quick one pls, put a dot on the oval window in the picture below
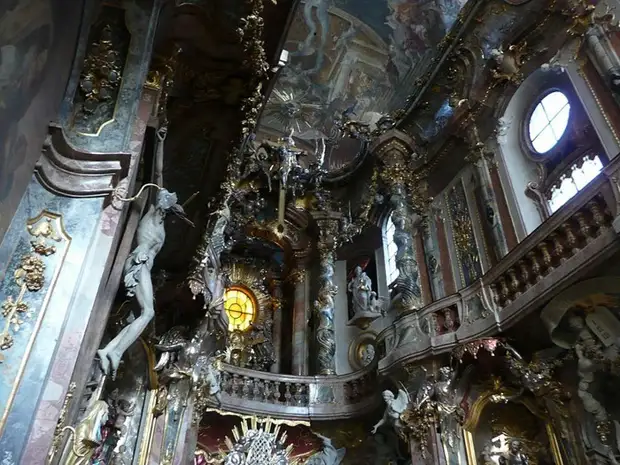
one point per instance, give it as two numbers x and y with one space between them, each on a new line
240 308
549 121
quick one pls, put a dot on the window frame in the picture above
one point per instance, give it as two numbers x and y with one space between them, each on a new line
555 178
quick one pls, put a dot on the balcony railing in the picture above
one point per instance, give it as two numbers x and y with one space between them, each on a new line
576 238
299 397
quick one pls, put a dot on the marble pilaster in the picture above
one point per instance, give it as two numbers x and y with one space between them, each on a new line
74 180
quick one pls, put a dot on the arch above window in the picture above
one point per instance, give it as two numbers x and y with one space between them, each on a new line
240 307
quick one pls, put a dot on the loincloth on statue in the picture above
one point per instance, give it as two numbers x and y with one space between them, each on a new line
136 261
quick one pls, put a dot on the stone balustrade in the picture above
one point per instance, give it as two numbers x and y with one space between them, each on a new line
299 397
571 242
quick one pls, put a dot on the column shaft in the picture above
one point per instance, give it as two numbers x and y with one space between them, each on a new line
324 304
408 281
276 296
301 317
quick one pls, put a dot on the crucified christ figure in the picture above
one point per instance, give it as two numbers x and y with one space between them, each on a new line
150 238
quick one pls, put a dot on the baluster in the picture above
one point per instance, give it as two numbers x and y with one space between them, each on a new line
597 216
504 292
298 394
534 265
246 387
525 273
515 285
287 394
226 382
235 385
546 256
585 230
256 392
571 239
267 392
558 247
277 394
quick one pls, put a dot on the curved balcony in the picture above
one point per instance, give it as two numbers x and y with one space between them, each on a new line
299 397
575 239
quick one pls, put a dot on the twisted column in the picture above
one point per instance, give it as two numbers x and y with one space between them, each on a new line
324 304
408 282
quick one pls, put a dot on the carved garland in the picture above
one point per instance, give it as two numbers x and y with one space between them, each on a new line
28 277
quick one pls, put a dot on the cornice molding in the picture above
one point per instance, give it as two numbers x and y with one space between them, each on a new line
65 170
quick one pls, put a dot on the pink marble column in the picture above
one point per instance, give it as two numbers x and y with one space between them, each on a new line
301 318
276 296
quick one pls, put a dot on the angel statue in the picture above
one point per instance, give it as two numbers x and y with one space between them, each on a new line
395 406
329 455
150 239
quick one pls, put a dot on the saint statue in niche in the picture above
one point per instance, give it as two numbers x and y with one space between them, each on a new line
367 306
360 287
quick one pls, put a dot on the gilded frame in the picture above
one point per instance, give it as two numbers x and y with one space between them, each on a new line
494 397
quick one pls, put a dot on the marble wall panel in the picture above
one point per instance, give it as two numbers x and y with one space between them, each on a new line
70 342
37 43
25 369
461 225
141 17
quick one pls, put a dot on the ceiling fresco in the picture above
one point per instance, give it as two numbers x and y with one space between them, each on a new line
352 58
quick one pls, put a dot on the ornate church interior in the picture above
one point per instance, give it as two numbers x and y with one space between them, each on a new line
322 232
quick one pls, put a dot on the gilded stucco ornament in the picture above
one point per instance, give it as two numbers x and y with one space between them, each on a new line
46 232
60 424
583 18
102 71
258 443
508 63
161 78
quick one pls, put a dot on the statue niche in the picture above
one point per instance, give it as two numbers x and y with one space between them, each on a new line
585 320
507 432
366 305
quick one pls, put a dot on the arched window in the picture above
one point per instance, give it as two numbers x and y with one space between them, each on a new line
240 307
390 252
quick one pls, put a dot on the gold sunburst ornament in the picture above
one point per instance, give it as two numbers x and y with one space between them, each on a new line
258 442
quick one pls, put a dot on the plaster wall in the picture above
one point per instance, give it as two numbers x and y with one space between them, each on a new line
37 46
515 169
342 332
